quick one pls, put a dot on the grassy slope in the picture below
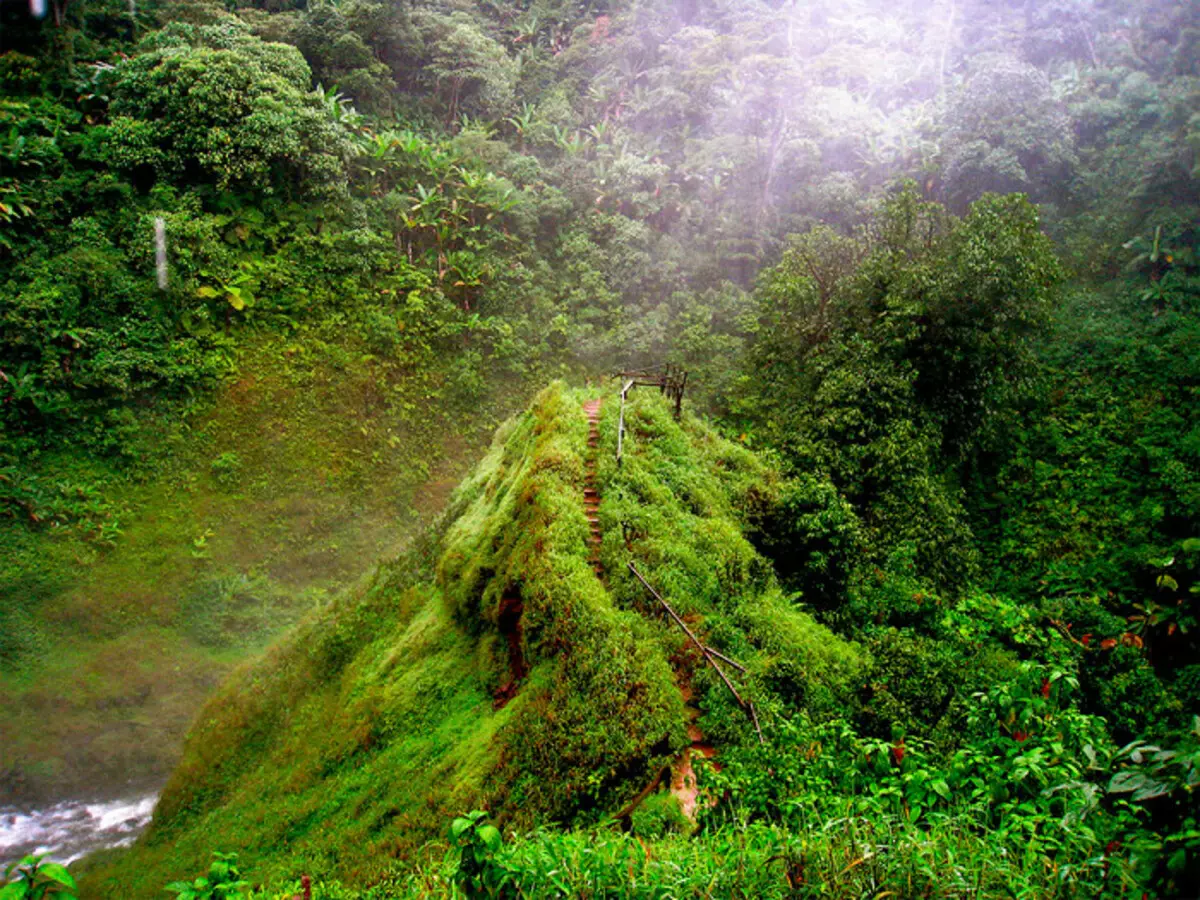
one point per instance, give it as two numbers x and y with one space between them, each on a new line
359 735
342 456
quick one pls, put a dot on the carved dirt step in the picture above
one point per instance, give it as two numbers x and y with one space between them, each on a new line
591 496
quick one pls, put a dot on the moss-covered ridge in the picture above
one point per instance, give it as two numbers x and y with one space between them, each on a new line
490 666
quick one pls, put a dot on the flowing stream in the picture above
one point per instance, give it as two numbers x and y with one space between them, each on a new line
72 829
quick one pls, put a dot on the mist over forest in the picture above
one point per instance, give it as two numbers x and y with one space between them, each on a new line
362 536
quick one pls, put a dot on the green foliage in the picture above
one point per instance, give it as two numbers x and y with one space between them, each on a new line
29 878
227 468
659 815
477 843
422 683
1165 781
469 71
1007 132
991 492
216 100
898 354
222 881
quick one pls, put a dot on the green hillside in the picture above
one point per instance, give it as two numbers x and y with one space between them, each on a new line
223 529
377 719
272 272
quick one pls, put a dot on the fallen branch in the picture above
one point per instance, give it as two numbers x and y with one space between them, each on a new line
707 654
646 792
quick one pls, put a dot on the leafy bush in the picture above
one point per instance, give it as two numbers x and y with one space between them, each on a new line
477 844
659 815
29 878
222 882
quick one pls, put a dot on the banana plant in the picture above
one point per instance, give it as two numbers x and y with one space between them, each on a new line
599 132
570 142
522 124
338 107
527 30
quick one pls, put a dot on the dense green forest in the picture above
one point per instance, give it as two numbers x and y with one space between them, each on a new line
300 307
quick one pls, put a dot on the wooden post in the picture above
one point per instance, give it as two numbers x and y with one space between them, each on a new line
621 420
679 396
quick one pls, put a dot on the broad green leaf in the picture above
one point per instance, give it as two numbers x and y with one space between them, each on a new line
1167 582
59 873
490 835
1177 861
1126 781
1151 789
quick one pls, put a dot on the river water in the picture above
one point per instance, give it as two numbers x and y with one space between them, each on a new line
72 829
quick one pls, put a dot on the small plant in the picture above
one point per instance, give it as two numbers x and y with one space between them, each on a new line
223 881
237 291
478 873
227 469
31 879
659 815
200 548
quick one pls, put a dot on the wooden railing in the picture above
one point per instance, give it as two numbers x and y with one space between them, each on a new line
670 381
710 655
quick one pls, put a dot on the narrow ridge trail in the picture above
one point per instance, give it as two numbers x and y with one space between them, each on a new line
591 498
682 771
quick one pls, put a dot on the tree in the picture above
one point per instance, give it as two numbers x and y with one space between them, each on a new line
214 103
1006 132
471 72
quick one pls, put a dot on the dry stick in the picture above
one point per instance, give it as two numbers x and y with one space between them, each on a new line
704 650
646 792
721 656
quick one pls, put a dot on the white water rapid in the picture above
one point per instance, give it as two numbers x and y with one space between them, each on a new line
71 829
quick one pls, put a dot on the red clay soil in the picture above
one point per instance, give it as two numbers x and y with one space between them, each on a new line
683 775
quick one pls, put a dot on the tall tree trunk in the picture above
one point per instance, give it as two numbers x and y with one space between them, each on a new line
772 163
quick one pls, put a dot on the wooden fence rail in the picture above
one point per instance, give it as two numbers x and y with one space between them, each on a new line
708 653
621 421
670 380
